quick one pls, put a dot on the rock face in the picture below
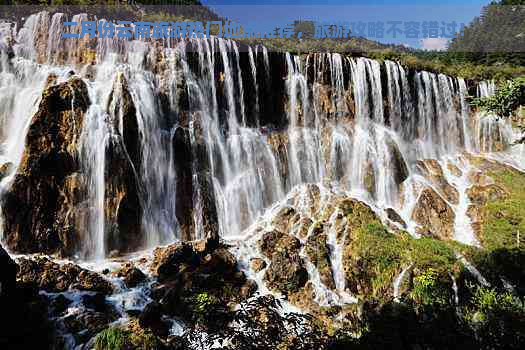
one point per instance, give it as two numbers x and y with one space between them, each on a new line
37 209
123 209
434 215
46 209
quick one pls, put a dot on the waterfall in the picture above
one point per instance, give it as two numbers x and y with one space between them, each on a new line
356 124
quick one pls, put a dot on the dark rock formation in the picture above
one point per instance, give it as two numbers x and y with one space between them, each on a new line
37 209
46 209
131 275
123 209
27 326
186 273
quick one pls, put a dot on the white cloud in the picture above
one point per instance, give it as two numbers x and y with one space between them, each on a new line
438 44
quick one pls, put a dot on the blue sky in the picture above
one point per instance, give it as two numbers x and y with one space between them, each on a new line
274 12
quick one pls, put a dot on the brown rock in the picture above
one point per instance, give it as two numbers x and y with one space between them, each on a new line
431 169
37 208
481 195
257 264
131 275
395 217
167 262
53 277
319 254
286 272
434 215
283 220
5 170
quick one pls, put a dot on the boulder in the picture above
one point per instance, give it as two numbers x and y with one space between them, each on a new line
151 317
433 215
184 273
286 272
131 275
5 170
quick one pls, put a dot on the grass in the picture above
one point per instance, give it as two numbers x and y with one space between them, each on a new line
117 338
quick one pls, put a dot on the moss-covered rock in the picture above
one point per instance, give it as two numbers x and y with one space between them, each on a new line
319 254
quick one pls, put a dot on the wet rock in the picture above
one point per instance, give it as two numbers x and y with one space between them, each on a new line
395 217
370 179
257 264
454 169
122 205
97 302
303 226
282 221
5 170
400 167
319 254
59 304
37 208
286 272
151 318
185 273
85 323
131 275
431 169
275 241
167 262
248 289
53 277
434 215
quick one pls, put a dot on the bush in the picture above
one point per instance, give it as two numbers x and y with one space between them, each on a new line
508 97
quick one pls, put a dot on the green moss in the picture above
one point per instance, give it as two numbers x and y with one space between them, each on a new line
374 257
116 338
504 224
431 253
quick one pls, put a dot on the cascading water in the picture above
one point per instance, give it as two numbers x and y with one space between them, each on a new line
355 124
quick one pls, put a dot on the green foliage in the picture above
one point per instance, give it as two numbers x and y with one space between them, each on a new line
428 290
508 97
113 338
204 304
